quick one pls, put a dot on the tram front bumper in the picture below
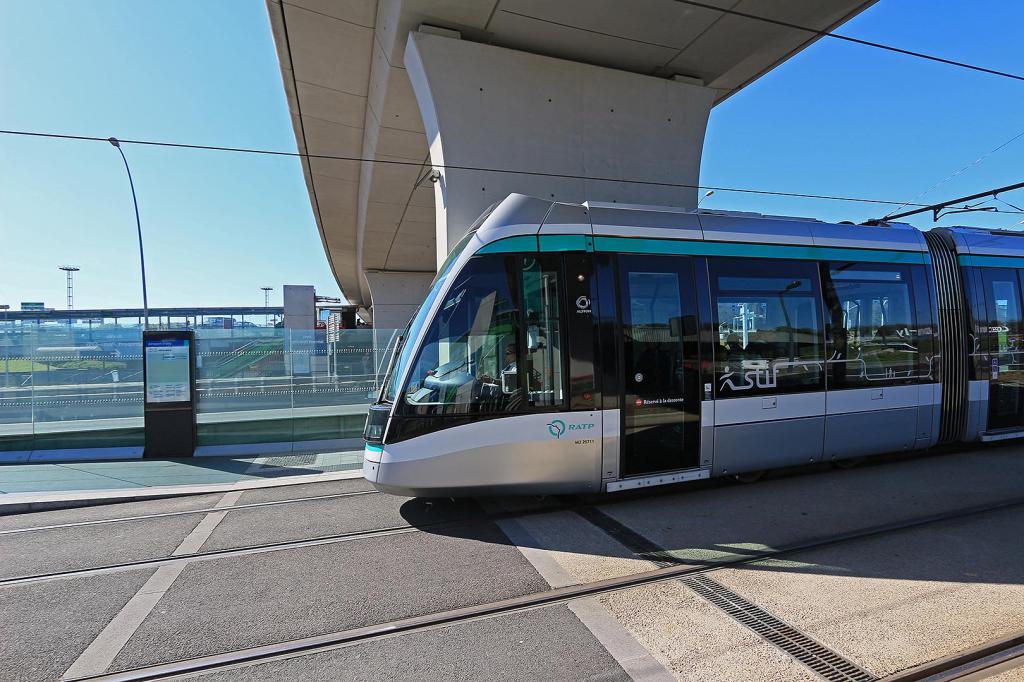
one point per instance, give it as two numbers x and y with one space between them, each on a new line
382 475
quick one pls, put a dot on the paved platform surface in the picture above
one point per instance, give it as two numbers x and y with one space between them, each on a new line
111 588
24 487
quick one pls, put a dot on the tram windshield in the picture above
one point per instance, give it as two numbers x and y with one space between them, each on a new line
479 354
412 332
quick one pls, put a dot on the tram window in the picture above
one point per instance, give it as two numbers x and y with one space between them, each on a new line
467 362
653 335
1004 336
543 359
1004 315
769 327
874 339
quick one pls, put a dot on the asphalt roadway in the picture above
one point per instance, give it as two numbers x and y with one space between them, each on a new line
893 564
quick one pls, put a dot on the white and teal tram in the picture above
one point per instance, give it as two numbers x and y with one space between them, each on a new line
601 347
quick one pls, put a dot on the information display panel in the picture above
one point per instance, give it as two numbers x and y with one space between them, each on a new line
168 370
168 357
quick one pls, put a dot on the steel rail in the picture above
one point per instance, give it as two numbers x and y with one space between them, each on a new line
326 642
277 546
207 556
565 503
345 537
205 510
964 663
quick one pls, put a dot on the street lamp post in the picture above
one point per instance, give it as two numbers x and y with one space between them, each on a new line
138 224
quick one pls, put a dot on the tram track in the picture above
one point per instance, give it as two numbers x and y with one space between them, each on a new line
210 555
565 503
969 664
322 643
619 498
336 538
184 512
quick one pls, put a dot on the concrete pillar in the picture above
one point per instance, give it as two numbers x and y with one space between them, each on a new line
299 306
491 107
395 296
299 324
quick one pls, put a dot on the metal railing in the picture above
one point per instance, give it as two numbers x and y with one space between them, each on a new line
67 386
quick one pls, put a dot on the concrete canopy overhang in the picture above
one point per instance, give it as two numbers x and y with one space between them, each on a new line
349 94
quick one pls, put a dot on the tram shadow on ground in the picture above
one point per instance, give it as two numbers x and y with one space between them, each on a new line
952 518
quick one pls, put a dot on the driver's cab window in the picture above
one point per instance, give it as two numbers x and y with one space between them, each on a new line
463 365
495 344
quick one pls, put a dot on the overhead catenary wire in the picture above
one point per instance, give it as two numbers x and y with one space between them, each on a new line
856 41
479 169
1003 201
420 164
919 208
936 209
966 168
694 3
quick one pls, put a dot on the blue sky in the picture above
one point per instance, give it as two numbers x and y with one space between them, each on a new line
216 226
854 121
837 119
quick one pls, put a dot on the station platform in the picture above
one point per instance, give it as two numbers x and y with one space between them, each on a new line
35 487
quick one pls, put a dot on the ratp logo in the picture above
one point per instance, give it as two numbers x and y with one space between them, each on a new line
556 428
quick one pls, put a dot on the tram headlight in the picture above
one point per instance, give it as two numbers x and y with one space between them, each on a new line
376 420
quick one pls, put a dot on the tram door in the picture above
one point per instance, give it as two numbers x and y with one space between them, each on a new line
1005 348
661 403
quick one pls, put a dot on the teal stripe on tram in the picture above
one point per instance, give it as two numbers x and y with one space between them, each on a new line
699 248
374 448
991 261
579 242
525 242
566 242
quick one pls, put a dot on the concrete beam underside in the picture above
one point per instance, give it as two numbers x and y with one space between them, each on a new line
491 107
349 94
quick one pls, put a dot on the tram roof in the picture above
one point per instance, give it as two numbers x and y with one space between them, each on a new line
522 215
978 241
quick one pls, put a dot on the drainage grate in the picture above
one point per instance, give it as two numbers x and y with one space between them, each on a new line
815 656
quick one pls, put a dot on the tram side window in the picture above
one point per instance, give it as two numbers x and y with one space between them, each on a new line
874 339
543 360
467 362
1004 315
1005 334
769 327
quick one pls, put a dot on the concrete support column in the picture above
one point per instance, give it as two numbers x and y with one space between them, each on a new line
491 107
299 324
395 296
299 306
